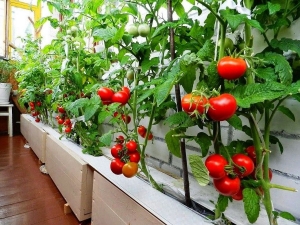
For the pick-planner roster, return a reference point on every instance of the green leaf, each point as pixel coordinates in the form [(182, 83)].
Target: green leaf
[(162, 91), (147, 64), (207, 51), (90, 111), (267, 74), (179, 9), (102, 116), (287, 215), (233, 20), (105, 34), (255, 24), (286, 111), (106, 138), (258, 92), (251, 204), (222, 203), (213, 78), (199, 170), (173, 143), (179, 119), (236, 122), (273, 8), (281, 66), (274, 140), (286, 44), (204, 141)]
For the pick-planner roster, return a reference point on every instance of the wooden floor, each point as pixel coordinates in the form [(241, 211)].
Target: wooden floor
[(28, 196)]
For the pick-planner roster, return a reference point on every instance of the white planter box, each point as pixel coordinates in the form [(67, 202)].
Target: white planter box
[(35, 136), (72, 176)]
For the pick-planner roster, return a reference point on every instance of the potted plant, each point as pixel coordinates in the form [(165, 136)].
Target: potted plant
[(6, 69)]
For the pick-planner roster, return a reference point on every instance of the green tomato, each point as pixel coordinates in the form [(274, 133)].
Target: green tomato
[(144, 30), (132, 30), (228, 44), (130, 75), (74, 30)]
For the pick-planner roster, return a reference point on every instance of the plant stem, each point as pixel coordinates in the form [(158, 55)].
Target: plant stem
[(188, 201)]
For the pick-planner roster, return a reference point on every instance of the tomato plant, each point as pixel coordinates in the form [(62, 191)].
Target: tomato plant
[(231, 68), (130, 169), (227, 186), (215, 165), (222, 107)]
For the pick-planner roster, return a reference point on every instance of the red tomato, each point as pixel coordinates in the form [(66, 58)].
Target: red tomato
[(134, 157), (191, 102), (246, 164), (126, 118), (222, 107), (270, 174), (142, 131), (116, 166), (239, 195), (120, 139), (38, 103), (105, 94), (34, 113), (61, 109), (131, 146), (116, 150), (231, 68), (130, 169), (60, 121), (67, 122), (150, 136), (215, 165), (57, 117), (120, 97), (31, 104), (32, 108), (37, 119), (68, 129), (251, 153), (227, 186), (127, 90)]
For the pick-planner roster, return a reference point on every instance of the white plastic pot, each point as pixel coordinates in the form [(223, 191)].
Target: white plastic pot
[(5, 89)]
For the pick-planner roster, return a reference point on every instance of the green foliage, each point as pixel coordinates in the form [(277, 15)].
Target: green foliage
[(199, 170), (251, 204)]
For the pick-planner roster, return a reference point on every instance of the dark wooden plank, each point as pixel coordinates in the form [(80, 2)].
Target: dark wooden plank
[(28, 196)]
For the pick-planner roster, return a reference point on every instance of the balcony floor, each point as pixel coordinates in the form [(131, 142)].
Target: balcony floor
[(28, 196)]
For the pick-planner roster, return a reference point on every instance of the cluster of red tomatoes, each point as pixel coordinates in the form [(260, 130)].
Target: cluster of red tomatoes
[(126, 157), (221, 107), (225, 183), (227, 176), (34, 110), (108, 95), (63, 120), (217, 108)]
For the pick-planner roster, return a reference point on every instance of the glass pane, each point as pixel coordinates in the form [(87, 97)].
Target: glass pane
[(21, 25), (2, 28)]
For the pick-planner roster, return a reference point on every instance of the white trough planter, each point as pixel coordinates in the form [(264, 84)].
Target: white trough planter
[(35, 136), (72, 176)]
